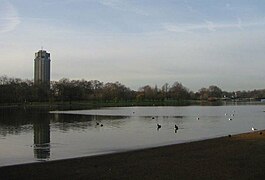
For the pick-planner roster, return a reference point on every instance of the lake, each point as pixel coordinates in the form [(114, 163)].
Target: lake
[(39, 135)]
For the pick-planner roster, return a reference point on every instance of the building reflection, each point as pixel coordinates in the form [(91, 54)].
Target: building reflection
[(42, 139)]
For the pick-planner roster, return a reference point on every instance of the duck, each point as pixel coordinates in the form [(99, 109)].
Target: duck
[(176, 127), (253, 129), (159, 126)]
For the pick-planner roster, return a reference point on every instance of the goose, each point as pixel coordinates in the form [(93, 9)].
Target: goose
[(253, 129)]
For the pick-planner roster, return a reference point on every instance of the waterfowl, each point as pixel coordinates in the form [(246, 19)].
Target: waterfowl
[(158, 126), (176, 127)]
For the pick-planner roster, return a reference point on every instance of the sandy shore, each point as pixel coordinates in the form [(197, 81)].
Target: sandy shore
[(237, 157)]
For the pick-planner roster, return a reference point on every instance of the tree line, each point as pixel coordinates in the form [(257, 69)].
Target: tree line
[(16, 90)]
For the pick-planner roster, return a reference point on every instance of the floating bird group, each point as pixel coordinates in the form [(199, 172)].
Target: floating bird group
[(97, 123), (159, 126), (198, 118)]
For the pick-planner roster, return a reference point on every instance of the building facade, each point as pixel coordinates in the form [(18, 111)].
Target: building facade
[(42, 67)]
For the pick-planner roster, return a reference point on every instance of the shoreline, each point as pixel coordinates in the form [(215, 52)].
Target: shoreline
[(238, 157)]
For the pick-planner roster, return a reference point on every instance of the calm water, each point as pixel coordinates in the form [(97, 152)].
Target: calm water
[(29, 136)]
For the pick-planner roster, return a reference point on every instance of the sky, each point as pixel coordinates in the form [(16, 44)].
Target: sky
[(138, 42)]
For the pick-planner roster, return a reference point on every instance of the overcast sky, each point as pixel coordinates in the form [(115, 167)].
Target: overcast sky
[(138, 42)]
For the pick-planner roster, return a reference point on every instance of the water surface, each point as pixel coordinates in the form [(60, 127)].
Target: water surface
[(39, 135)]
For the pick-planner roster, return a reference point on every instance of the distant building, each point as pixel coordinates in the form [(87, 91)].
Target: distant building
[(42, 67)]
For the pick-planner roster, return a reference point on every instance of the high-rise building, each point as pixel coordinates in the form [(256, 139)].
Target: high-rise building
[(42, 67)]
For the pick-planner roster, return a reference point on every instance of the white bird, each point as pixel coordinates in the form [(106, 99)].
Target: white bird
[(253, 129)]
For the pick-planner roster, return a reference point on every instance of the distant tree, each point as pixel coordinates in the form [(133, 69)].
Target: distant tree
[(116, 91), (15, 90), (179, 92), (215, 91), (97, 88), (164, 90), (148, 92), (203, 93)]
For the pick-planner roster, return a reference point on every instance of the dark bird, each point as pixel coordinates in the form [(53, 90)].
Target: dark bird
[(97, 123), (176, 127), (101, 125), (158, 126), (153, 117)]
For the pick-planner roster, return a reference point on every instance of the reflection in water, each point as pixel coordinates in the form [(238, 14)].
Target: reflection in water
[(127, 128), (42, 139), (22, 121), (67, 122)]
